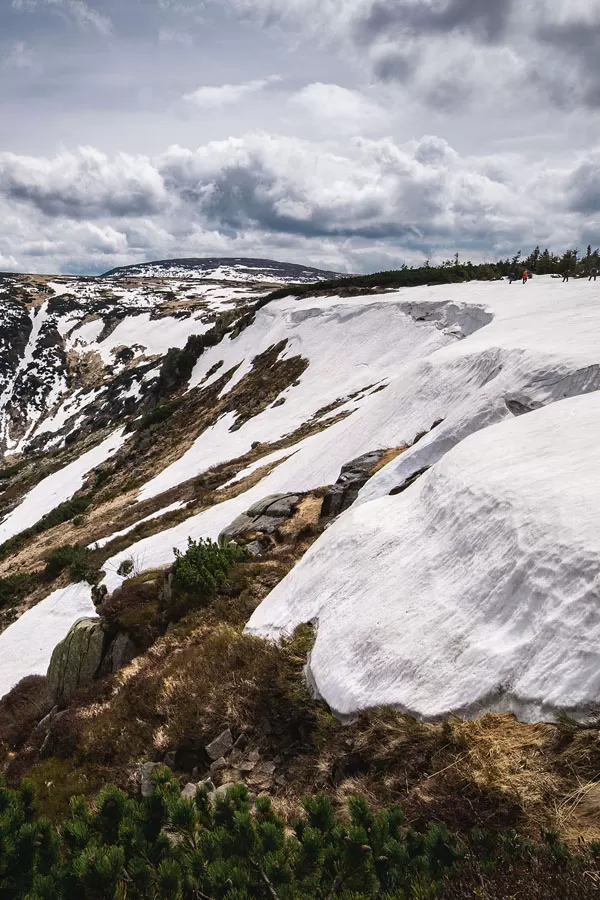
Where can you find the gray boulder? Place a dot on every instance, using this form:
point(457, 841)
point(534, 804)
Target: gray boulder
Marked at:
point(284, 507)
point(255, 548)
point(264, 516)
point(221, 746)
point(85, 655)
point(76, 660)
point(189, 791)
point(353, 476)
point(145, 774)
point(119, 654)
point(237, 527)
point(278, 505)
point(265, 524)
point(260, 507)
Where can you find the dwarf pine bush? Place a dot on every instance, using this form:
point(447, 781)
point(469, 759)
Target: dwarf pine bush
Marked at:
point(166, 847)
point(201, 573)
point(169, 847)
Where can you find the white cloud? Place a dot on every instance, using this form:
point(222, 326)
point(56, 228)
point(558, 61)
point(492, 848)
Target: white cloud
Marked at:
point(377, 204)
point(338, 107)
point(172, 36)
point(85, 184)
point(215, 97)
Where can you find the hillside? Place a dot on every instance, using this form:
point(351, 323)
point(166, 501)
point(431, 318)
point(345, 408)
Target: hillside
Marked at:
point(229, 269)
point(413, 473)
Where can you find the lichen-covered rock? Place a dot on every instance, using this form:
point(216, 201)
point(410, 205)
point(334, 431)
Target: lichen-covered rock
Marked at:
point(237, 527)
point(278, 505)
point(119, 653)
point(76, 660)
point(265, 524)
point(87, 654)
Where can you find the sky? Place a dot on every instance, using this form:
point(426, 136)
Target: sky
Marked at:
point(352, 135)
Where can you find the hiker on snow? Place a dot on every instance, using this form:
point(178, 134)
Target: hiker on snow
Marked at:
point(566, 275)
point(526, 276)
point(512, 277)
point(593, 274)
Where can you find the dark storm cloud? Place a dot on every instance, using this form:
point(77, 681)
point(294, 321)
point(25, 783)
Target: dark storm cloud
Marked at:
point(578, 43)
point(485, 19)
point(583, 186)
point(548, 47)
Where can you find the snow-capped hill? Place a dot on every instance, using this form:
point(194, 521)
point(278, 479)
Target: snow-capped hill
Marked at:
point(225, 269)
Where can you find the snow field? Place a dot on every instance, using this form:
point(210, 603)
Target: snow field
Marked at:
point(464, 383)
point(350, 345)
point(58, 487)
point(27, 645)
point(98, 545)
point(474, 589)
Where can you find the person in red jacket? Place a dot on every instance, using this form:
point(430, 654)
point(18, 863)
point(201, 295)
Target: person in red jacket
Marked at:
point(526, 276)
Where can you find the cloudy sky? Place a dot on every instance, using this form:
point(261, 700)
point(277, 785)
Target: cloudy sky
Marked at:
point(350, 134)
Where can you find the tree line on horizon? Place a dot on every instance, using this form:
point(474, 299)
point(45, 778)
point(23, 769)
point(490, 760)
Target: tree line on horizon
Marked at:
point(452, 271)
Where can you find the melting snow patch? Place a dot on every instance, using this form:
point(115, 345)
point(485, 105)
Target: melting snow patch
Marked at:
point(111, 537)
point(58, 487)
point(27, 645)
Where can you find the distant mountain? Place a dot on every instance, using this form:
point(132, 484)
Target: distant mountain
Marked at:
point(229, 269)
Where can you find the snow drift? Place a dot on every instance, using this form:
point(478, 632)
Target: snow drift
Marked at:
point(476, 588)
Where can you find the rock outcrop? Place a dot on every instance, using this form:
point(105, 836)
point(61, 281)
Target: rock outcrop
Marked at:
point(353, 477)
point(76, 660)
point(87, 653)
point(263, 517)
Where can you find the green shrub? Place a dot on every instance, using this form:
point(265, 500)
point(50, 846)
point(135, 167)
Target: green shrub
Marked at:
point(77, 559)
point(159, 414)
point(200, 573)
point(64, 512)
point(10, 471)
point(126, 568)
point(14, 588)
point(168, 848)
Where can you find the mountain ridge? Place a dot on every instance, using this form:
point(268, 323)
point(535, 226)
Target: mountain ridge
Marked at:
point(238, 267)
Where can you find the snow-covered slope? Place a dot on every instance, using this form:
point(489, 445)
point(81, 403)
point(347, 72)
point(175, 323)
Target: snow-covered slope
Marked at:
point(26, 647)
point(228, 269)
point(476, 588)
point(78, 351)
point(464, 576)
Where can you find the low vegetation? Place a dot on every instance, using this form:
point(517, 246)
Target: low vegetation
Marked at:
point(452, 271)
point(159, 414)
point(179, 363)
point(166, 846)
point(199, 574)
point(78, 560)
point(64, 512)
point(14, 588)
